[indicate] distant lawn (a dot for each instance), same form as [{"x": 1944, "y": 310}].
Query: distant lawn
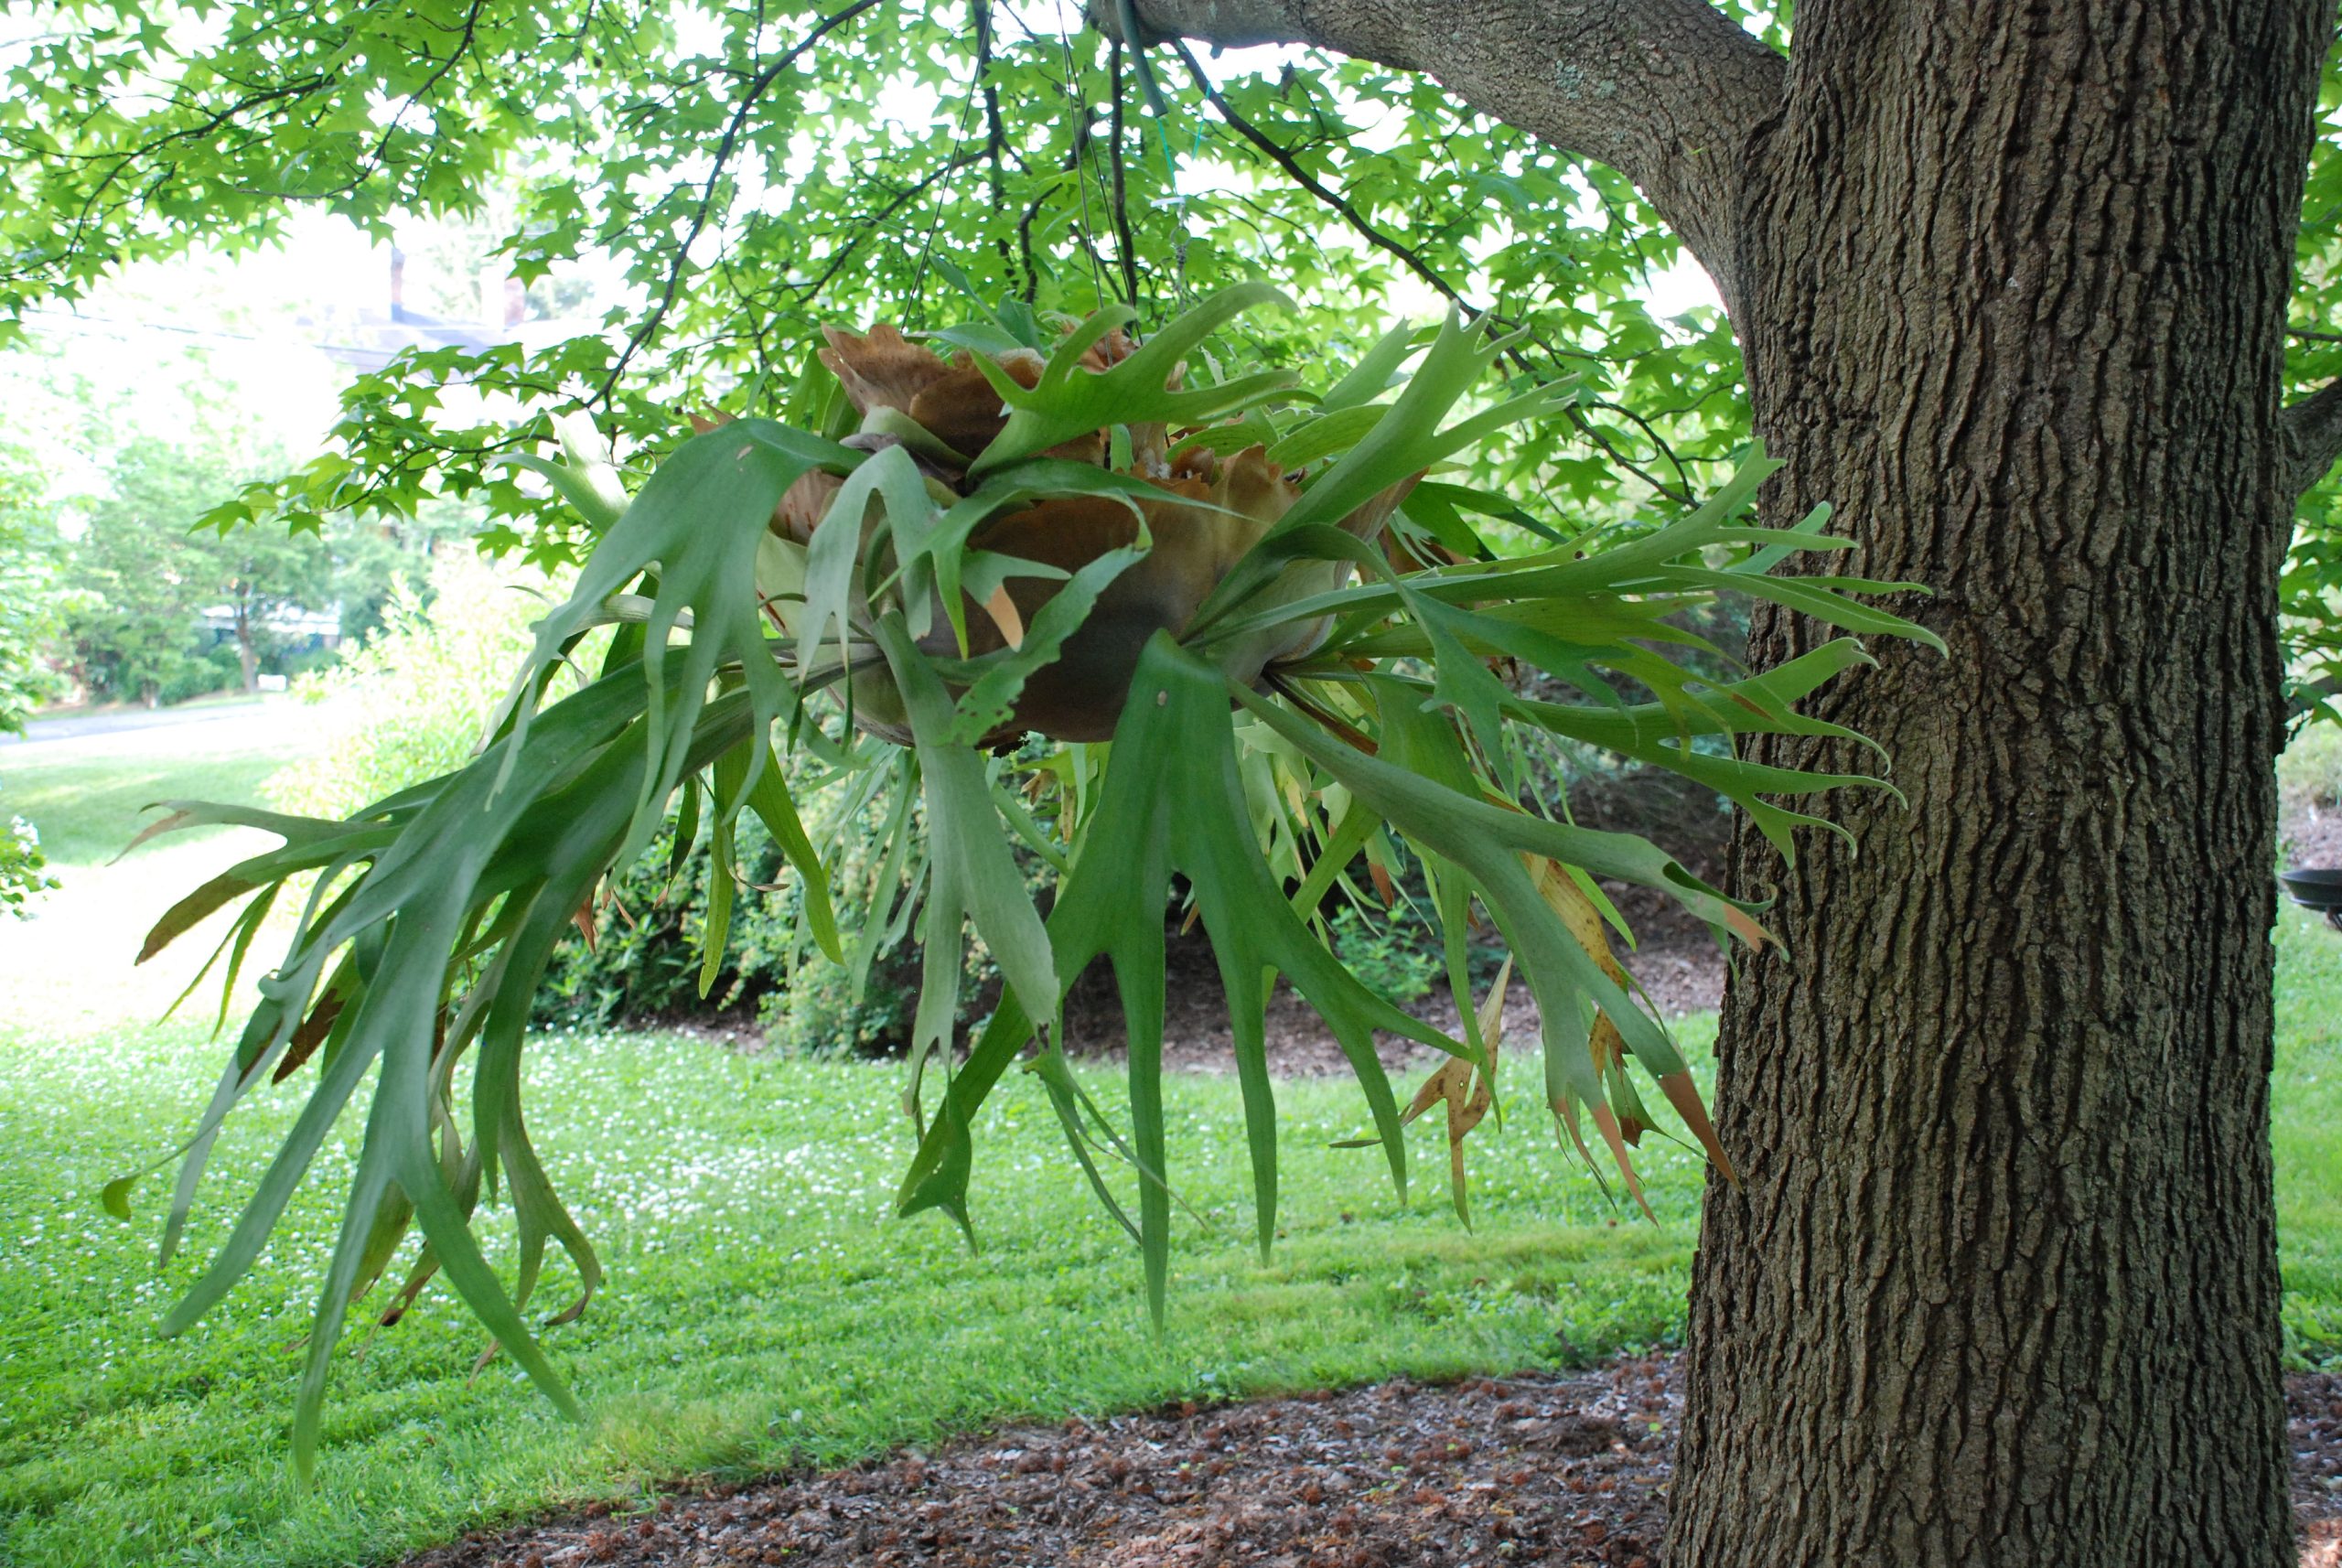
[
  {"x": 2306, "y": 1095},
  {"x": 87, "y": 795}
]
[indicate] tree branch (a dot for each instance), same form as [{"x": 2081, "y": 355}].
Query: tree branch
[
  {"x": 650, "y": 324},
  {"x": 1666, "y": 92},
  {"x": 2311, "y": 438},
  {"x": 1278, "y": 154},
  {"x": 1126, "y": 245}
]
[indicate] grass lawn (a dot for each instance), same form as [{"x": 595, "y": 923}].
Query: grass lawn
[
  {"x": 762, "y": 1310},
  {"x": 88, "y": 794},
  {"x": 68, "y": 973},
  {"x": 2305, "y": 1106}
]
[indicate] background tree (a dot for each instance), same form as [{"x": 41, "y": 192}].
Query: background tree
[
  {"x": 138, "y": 582},
  {"x": 146, "y": 578},
  {"x": 31, "y": 613},
  {"x": 2014, "y": 286}
]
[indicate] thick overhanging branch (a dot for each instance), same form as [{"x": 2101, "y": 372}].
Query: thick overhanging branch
[
  {"x": 1414, "y": 262},
  {"x": 2313, "y": 439},
  {"x": 1666, "y": 92}
]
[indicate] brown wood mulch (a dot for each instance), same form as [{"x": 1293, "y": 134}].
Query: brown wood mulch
[
  {"x": 1570, "y": 1472},
  {"x": 1685, "y": 975}
]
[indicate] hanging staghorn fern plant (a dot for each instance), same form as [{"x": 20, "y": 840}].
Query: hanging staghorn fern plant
[{"x": 1255, "y": 639}]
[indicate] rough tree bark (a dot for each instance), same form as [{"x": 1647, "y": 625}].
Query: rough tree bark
[
  {"x": 247, "y": 654},
  {"x": 2000, "y": 1286}
]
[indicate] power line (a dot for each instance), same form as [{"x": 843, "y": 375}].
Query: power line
[{"x": 111, "y": 326}]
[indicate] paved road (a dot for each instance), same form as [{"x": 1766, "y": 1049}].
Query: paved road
[{"x": 81, "y": 726}]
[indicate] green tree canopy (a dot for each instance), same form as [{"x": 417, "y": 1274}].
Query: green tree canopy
[
  {"x": 757, "y": 171},
  {"x": 146, "y": 578},
  {"x": 761, "y": 172}
]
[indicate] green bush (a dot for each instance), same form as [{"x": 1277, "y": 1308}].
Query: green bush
[
  {"x": 1397, "y": 959},
  {"x": 646, "y": 960},
  {"x": 24, "y": 869},
  {"x": 216, "y": 669},
  {"x": 310, "y": 662},
  {"x": 30, "y": 613},
  {"x": 411, "y": 704}
]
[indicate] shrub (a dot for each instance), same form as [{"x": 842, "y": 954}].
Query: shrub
[
  {"x": 1397, "y": 960},
  {"x": 412, "y": 703},
  {"x": 24, "y": 869},
  {"x": 646, "y": 960},
  {"x": 216, "y": 669},
  {"x": 646, "y": 957}
]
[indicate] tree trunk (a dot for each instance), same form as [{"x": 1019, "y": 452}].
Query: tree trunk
[
  {"x": 2010, "y": 277},
  {"x": 2000, "y": 1284},
  {"x": 246, "y": 654}
]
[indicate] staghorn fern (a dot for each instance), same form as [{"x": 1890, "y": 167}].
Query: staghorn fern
[{"x": 1286, "y": 646}]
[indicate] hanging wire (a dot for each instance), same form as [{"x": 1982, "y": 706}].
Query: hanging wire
[
  {"x": 1179, "y": 200},
  {"x": 1117, "y": 198},
  {"x": 1080, "y": 157},
  {"x": 1159, "y": 107},
  {"x": 958, "y": 139}
]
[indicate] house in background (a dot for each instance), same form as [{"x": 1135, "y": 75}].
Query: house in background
[
  {"x": 291, "y": 633},
  {"x": 366, "y": 333}
]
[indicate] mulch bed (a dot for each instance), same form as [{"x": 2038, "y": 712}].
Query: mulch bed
[
  {"x": 2311, "y": 835},
  {"x": 1682, "y": 975},
  {"x": 1529, "y": 1469}
]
